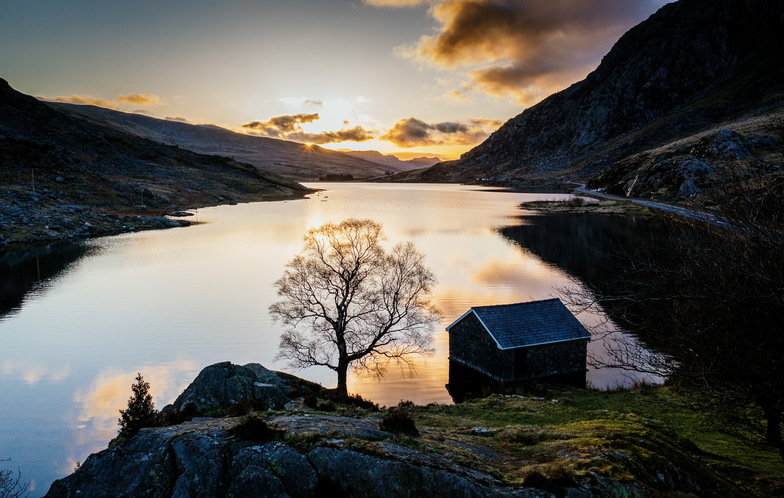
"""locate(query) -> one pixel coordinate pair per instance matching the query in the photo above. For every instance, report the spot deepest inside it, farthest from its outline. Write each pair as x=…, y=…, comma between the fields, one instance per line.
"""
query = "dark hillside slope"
x=63, y=177
x=692, y=65
x=289, y=159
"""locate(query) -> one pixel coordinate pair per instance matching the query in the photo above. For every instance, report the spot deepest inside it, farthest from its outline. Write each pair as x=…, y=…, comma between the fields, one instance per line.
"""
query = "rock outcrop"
x=224, y=384
x=690, y=66
x=303, y=454
x=202, y=458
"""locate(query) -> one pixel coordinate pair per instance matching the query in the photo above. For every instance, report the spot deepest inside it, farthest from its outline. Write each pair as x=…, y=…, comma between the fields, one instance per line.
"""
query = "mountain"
x=395, y=164
x=697, y=76
x=289, y=159
x=66, y=178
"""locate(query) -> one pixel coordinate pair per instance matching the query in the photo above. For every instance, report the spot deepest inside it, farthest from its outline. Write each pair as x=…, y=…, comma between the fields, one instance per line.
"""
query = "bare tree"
x=11, y=485
x=710, y=296
x=347, y=302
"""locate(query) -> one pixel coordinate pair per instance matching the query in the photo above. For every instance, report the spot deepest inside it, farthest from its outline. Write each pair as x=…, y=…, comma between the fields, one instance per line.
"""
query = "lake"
x=168, y=303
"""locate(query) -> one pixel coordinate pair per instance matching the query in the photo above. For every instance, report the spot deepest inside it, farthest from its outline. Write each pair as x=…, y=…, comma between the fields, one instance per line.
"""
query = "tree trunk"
x=342, y=374
x=773, y=430
x=342, y=362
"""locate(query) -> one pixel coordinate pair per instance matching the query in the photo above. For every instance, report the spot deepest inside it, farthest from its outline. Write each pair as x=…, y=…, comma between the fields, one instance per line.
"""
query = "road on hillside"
x=688, y=213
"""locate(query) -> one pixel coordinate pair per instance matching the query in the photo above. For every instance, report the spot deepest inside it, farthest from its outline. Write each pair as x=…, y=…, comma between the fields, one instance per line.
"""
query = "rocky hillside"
x=301, y=443
x=694, y=67
x=66, y=178
x=289, y=159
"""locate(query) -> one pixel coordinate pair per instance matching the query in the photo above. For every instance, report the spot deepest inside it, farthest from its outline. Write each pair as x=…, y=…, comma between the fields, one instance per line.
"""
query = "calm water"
x=168, y=303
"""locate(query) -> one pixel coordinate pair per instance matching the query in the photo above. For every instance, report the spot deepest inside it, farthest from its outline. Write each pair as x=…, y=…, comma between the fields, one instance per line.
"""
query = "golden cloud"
x=288, y=127
x=140, y=99
x=84, y=100
x=280, y=126
x=356, y=134
x=413, y=132
x=525, y=49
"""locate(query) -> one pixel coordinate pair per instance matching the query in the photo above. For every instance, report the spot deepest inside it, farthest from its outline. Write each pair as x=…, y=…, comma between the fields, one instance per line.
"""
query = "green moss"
x=644, y=436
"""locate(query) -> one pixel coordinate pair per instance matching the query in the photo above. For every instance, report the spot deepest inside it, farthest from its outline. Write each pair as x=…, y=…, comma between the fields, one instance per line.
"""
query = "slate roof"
x=528, y=324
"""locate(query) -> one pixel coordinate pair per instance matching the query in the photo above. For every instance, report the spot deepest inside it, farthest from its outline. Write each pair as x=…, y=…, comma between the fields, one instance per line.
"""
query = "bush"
x=254, y=429
x=399, y=422
x=328, y=406
x=351, y=400
x=141, y=410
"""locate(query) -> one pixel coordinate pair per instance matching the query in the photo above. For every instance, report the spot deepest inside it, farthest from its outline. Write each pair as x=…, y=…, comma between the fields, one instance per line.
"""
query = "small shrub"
x=311, y=401
x=405, y=404
x=351, y=400
x=399, y=422
x=328, y=406
x=555, y=479
x=141, y=410
x=254, y=429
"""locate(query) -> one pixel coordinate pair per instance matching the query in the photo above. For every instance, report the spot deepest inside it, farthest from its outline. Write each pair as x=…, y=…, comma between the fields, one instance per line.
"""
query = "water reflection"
x=109, y=392
x=168, y=303
x=590, y=248
x=466, y=383
x=29, y=269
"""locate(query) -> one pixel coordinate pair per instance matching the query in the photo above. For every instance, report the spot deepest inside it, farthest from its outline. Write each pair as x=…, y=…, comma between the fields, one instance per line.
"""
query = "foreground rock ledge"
x=200, y=458
x=316, y=454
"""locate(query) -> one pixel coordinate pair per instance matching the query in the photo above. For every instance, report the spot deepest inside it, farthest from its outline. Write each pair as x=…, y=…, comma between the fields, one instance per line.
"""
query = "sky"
x=398, y=76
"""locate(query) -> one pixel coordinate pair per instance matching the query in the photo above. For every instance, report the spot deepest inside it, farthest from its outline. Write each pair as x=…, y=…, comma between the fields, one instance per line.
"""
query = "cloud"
x=356, y=134
x=524, y=49
x=298, y=102
x=280, y=126
x=177, y=118
x=140, y=99
x=109, y=391
x=288, y=127
x=413, y=132
x=84, y=100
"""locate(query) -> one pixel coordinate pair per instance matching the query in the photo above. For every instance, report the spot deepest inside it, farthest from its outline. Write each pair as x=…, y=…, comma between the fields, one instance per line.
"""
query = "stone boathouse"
x=518, y=342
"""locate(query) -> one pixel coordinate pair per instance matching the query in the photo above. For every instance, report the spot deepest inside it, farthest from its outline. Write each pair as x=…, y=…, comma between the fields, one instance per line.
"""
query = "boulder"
x=224, y=384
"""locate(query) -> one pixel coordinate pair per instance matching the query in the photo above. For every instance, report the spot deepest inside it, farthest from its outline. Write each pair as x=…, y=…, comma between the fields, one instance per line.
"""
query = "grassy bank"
x=580, y=205
x=564, y=438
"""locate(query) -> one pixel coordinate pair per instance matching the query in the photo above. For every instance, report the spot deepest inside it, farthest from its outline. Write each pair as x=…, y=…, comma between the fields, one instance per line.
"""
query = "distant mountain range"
x=392, y=161
x=696, y=86
x=289, y=159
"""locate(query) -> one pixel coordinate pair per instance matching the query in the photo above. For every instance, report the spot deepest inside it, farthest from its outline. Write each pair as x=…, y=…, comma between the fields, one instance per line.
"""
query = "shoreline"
x=580, y=206
x=29, y=222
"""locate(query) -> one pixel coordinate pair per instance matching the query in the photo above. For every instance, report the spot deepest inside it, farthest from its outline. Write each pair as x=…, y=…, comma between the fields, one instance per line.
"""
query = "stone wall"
x=471, y=345
x=548, y=360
